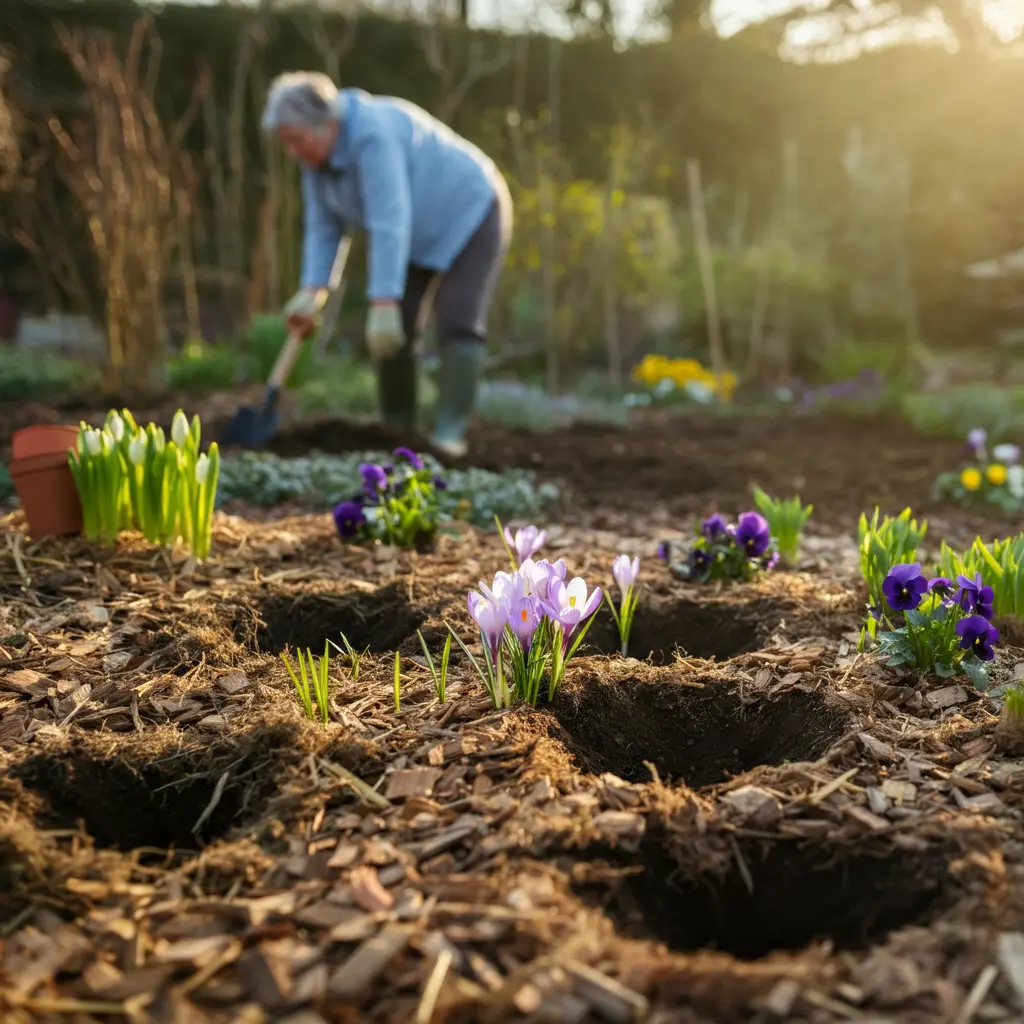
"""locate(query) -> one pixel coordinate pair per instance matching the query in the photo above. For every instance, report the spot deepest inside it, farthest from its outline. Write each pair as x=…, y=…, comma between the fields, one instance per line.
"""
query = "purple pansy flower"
x=348, y=517
x=714, y=527
x=753, y=534
x=904, y=586
x=409, y=456
x=977, y=634
x=941, y=585
x=974, y=596
x=664, y=551
x=440, y=484
x=698, y=561
x=375, y=479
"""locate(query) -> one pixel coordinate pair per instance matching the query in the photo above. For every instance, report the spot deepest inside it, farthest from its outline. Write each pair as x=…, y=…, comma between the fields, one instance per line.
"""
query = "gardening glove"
x=384, y=334
x=302, y=311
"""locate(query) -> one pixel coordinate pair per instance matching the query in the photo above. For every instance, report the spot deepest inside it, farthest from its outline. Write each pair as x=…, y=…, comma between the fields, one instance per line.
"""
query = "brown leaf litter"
x=747, y=821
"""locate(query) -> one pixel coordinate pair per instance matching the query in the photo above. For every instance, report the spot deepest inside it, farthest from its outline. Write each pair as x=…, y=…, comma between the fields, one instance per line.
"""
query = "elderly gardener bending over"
x=439, y=219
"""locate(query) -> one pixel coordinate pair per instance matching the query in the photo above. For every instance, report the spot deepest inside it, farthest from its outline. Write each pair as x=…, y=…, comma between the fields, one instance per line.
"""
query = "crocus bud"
x=116, y=427
x=202, y=469
x=137, y=449
x=179, y=429
x=159, y=441
x=625, y=571
x=93, y=442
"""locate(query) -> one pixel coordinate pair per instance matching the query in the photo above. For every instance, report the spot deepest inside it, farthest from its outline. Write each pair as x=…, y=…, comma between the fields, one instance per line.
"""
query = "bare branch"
x=478, y=68
x=331, y=44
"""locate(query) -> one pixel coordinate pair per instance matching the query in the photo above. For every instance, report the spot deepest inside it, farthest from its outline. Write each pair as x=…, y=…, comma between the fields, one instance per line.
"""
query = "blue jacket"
x=417, y=188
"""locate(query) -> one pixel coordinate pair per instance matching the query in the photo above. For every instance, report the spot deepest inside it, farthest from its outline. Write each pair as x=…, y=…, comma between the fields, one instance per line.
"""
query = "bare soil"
x=742, y=821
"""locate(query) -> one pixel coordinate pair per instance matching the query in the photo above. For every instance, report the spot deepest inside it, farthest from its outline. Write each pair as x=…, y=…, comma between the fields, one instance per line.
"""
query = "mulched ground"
x=747, y=821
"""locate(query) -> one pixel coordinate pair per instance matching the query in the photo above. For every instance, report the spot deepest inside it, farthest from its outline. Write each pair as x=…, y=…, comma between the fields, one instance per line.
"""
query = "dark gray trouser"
x=462, y=297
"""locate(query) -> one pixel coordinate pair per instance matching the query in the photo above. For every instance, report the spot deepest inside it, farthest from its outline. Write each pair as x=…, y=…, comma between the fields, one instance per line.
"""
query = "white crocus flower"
x=116, y=427
x=202, y=469
x=137, y=449
x=1006, y=453
x=1015, y=481
x=625, y=572
x=93, y=442
x=179, y=429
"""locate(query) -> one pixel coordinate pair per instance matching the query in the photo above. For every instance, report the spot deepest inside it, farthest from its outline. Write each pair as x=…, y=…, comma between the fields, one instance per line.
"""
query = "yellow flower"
x=971, y=478
x=996, y=474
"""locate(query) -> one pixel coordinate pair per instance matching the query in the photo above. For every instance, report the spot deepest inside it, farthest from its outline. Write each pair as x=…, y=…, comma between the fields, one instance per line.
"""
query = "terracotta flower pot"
x=44, y=439
x=49, y=498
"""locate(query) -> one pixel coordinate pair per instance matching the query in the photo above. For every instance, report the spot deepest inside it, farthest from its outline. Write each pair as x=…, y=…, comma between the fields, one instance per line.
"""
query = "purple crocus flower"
x=976, y=439
x=904, y=586
x=375, y=479
x=409, y=456
x=348, y=517
x=974, y=596
x=753, y=534
x=544, y=573
x=977, y=634
x=714, y=528
x=569, y=605
x=524, y=618
x=625, y=572
x=526, y=542
x=491, y=617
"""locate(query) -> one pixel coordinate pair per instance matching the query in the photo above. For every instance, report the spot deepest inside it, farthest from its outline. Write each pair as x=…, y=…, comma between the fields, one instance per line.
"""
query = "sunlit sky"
x=868, y=26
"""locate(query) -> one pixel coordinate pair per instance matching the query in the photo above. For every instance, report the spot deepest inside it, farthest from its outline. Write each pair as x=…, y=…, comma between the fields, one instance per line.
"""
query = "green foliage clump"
x=884, y=542
x=786, y=520
x=320, y=481
x=998, y=411
x=7, y=491
x=42, y=375
x=1000, y=563
x=201, y=367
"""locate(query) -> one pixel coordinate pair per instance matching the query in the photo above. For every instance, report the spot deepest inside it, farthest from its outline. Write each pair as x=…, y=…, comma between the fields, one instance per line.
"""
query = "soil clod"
x=800, y=894
x=700, y=735
x=378, y=621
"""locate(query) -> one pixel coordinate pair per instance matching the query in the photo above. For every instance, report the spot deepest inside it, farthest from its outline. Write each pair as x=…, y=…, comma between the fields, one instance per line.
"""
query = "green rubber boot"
x=461, y=366
x=397, y=386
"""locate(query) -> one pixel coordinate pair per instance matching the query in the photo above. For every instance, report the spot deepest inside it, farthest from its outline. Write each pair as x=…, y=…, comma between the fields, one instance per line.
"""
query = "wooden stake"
x=702, y=240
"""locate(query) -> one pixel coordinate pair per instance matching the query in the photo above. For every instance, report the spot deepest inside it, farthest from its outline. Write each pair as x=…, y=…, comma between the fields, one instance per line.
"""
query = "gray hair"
x=299, y=98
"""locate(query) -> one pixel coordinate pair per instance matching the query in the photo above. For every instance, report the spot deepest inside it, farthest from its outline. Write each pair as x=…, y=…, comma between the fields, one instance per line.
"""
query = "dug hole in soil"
x=378, y=621
x=692, y=626
x=793, y=893
x=700, y=733
x=141, y=797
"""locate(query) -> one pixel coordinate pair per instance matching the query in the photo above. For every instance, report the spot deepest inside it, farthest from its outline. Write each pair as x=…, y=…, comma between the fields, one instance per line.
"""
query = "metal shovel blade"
x=251, y=427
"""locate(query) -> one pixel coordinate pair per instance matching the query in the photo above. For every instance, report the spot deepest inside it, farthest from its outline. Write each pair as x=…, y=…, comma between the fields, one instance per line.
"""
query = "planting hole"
x=379, y=621
x=125, y=803
x=712, y=629
x=800, y=894
x=700, y=735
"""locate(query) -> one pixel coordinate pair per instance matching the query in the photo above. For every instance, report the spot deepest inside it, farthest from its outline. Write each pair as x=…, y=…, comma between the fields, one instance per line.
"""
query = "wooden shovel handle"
x=285, y=360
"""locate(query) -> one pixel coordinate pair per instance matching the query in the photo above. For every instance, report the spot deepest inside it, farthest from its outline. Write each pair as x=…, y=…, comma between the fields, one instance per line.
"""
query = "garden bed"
x=748, y=821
